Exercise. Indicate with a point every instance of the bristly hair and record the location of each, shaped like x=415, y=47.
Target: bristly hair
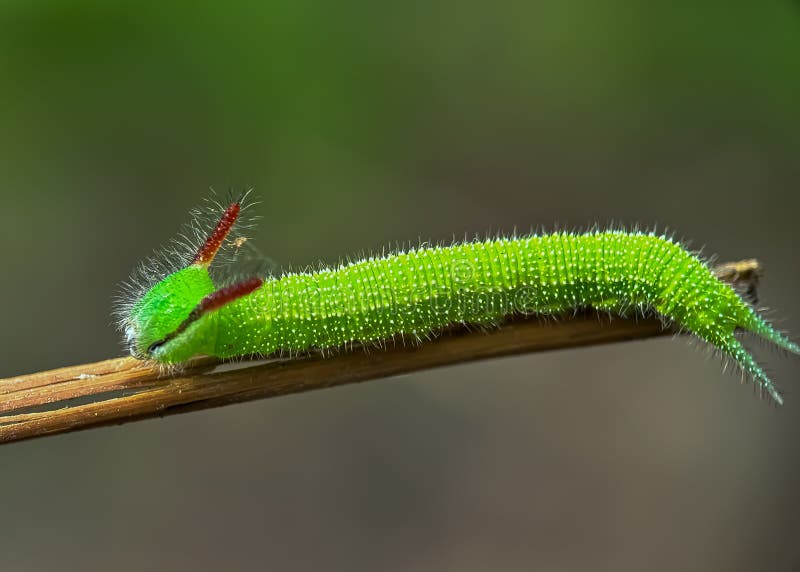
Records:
x=229, y=264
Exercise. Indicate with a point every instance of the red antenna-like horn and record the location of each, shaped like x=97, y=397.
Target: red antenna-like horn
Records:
x=214, y=241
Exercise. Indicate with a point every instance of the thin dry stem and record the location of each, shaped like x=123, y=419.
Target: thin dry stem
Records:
x=125, y=389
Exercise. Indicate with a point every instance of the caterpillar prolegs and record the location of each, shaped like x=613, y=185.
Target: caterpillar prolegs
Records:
x=171, y=314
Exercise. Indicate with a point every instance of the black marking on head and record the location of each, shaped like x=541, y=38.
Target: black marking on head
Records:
x=211, y=302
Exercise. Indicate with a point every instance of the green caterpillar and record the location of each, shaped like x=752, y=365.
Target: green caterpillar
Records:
x=181, y=312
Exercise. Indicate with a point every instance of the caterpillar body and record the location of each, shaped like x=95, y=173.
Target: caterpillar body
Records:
x=182, y=313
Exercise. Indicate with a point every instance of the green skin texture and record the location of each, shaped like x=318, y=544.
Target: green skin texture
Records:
x=420, y=291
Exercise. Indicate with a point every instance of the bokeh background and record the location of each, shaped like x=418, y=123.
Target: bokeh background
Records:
x=361, y=124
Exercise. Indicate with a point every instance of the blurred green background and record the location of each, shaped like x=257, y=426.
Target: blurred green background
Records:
x=362, y=124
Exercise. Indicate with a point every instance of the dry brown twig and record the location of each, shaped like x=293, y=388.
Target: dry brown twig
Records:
x=125, y=389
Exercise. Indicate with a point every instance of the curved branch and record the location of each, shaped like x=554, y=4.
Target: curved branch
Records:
x=125, y=389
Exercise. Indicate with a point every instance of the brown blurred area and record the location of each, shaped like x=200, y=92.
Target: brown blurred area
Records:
x=366, y=124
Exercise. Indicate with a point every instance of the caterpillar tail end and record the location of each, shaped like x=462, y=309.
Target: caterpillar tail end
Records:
x=749, y=365
x=777, y=397
x=756, y=324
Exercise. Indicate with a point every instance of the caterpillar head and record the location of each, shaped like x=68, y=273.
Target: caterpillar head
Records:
x=158, y=323
x=170, y=320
